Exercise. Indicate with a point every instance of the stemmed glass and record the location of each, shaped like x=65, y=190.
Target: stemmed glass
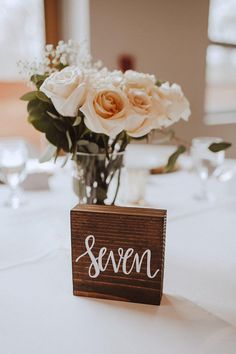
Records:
x=205, y=163
x=13, y=158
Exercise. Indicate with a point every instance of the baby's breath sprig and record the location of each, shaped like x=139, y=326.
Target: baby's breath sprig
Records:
x=56, y=58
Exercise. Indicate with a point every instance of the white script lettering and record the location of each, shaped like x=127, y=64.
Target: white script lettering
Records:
x=97, y=265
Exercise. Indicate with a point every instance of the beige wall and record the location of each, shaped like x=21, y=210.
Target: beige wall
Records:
x=168, y=38
x=13, y=113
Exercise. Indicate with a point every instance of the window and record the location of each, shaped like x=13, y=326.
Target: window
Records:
x=22, y=35
x=220, y=98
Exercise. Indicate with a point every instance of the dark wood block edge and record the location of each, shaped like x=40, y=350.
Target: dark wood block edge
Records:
x=120, y=210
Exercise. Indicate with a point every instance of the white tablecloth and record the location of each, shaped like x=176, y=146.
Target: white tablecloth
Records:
x=39, y=314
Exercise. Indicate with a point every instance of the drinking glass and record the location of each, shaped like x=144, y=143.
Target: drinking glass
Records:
x=13, y=158
x=205, y=163
x=134, y=186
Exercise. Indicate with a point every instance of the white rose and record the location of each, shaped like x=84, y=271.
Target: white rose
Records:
x=139, y=89
x=170, y=105
x=134, y=79
x=105, y=110
x=67, y=89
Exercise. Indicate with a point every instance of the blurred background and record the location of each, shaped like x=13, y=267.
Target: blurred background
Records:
x=189, y=42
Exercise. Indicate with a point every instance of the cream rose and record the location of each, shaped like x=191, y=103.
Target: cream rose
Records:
x=67, y=89
x=105, y=110
x=137, y=126
x=139, y=89
x=140, y=100
x=170, y=105
x=134, y=79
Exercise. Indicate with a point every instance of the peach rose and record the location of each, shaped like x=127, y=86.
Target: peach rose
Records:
x=105, y=110
x=139, y=89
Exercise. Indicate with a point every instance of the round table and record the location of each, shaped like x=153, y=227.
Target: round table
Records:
x=39, y=314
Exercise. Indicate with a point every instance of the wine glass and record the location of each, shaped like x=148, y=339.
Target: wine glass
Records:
x=205, y=163
x=13, y=158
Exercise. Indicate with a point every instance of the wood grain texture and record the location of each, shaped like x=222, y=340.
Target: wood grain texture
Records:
x=113, y=228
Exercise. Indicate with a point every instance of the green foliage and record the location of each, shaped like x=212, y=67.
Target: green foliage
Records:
x=33, y=95
x=42, y=97
x=83, y=142
x=217, y=147
x=101, y=194
x=158, y=83
x=174, y=157
x=77, y=121
x=29, y=96
x=59, y=130
x=60, y=66
x=93, y=148
x=38, y=79
x=69, y=140
x=87, y=146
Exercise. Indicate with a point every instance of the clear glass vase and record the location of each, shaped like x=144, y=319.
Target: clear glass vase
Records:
x=96, y=177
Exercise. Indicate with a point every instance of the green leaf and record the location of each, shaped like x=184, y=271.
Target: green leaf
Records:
x=105, y=143
x=77, y=121
x=61, y=66
x=69, y=139
x=38, y=79
x=85, y=132
x=52, y=115
x=173, y=158
x=37, y=107
x=59, y=125
x=93, y=148
x=83, y=142
x=54, y=129
x=29, y=96
x=101, y=194
x=158, y=83
x=40, y=123
x=57, y=138
x=42, y=97
x=82, y=148
x=217, y=147
x=33, y=106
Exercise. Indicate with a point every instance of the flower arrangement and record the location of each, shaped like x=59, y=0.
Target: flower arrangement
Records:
x=83, y=108
x=93, y=113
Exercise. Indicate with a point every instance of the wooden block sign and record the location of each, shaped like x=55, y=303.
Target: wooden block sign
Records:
x=118, y=252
